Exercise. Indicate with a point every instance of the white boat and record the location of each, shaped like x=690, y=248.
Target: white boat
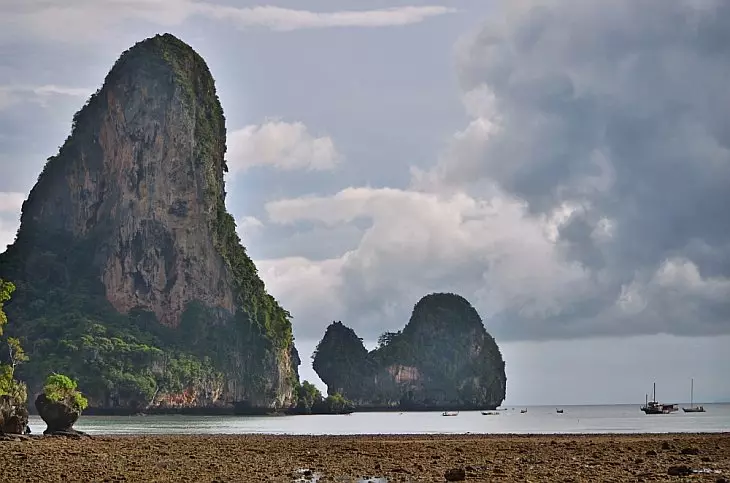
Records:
x=692, y=408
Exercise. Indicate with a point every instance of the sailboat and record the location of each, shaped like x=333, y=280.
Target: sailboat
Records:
x=654, y=407
x=692, y=408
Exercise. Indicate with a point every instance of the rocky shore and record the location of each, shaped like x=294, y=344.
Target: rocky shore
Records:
x=617, y=458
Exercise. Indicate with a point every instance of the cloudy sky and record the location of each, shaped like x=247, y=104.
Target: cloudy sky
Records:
x=564, y=165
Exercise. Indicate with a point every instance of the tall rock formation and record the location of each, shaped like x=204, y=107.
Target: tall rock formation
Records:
x=127, y=251
x=443, y=358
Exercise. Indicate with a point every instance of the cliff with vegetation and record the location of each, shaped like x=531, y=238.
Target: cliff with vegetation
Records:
x=130, y=275
x=443, y=359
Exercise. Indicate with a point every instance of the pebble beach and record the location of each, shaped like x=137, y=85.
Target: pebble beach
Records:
x=195, y=458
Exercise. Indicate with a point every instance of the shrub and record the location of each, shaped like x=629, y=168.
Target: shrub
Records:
x=60, y=388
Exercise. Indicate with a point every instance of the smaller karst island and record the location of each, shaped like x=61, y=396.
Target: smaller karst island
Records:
x=127, y=289
x=442, y=359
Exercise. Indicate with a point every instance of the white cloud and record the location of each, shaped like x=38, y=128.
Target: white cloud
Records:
x=682, y=276
x=308, y=287
x=490, y=249
x=14, y=94
x=80, y=20
x=7, y=234
x=11, y=202
x=51, y=89
x=247, y=226
x=276, y=18
x=282, y=145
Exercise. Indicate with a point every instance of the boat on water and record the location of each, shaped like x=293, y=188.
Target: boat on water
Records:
x=559, y=411
x=490, y=413
x=523, y=411
x=655, y=407
x=692, y=408
x=450, y=413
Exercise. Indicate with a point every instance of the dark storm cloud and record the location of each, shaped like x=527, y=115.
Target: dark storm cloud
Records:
x=620, y=106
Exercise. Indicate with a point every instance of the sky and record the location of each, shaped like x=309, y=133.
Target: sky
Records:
x=564, y=165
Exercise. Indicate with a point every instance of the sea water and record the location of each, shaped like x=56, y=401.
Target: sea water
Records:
x=537, y=420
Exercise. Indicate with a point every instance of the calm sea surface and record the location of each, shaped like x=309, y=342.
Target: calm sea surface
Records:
x=537, y=420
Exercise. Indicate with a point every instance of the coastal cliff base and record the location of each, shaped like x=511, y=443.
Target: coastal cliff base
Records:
x=348, y=458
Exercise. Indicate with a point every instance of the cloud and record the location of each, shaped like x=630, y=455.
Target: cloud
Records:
x=80, y=20
x=491, y=249
x=14, y=94
x=247, y=226
x=282, y=145
x=284, y=19
x=587, y=196
x=10, y=204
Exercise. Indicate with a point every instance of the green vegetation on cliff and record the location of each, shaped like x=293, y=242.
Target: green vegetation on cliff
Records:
x=443, y=357
x=340, y=359
x=120, y=360
x=16, y=356
x=61, y=312
x=310, y=401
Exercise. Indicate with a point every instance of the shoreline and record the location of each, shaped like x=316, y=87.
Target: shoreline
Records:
x=264, y=411
x=415, y=457
x=256, y=411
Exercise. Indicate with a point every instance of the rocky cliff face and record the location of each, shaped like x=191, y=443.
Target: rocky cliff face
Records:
x=143, y=174
x=133, y=209
x=443, y=358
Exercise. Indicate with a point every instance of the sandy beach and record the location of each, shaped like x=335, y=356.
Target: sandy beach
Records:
x=617, y=458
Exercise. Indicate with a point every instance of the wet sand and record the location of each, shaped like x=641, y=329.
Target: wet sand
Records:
x=591, y=458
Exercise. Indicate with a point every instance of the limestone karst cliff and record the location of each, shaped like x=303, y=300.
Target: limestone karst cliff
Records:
x=443, y=358
x=130, y=274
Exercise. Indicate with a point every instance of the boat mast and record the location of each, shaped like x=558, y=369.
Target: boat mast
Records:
x=654, y=392
x=692, y=393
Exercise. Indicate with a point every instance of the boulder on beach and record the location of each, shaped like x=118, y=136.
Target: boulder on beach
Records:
x=59, y=416
x=13, y=416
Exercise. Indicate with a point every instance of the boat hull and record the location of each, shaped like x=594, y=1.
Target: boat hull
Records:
x=662, y=409
x=694, y=410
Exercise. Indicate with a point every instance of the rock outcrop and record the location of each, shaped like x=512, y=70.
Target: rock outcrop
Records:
x=443, y=359
x=125, y=241
x=58, y=415
x=13, y=416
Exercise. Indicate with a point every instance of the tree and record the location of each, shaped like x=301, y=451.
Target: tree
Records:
x=6, y=290
x=16, y=353
x=386, y=338
x=60, y=388
x=337, y=404
x=8, y=384
x=308, y=396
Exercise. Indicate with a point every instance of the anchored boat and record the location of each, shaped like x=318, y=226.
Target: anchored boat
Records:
x=655, y=407
x=692, y=408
